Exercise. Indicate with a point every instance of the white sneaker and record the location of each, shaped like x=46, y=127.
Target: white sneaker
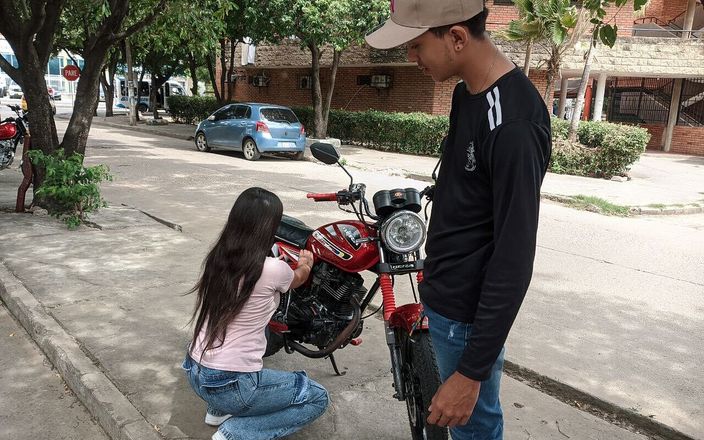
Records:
x=216, y=420
x=218, y=436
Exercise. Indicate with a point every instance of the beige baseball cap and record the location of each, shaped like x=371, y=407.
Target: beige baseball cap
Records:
x=411, y=18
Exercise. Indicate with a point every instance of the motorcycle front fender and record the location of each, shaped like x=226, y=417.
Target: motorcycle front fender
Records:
x=409, y=317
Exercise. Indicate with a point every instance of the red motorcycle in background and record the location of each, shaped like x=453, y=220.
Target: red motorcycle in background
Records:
x=325, y=314
x=12, y=133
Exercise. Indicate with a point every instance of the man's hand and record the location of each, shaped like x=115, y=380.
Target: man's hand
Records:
x=454, y=402
x=305, y=258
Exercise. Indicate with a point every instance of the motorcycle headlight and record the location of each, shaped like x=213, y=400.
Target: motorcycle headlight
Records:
x=403, y=232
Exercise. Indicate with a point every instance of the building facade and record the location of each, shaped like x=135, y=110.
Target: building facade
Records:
x=654, y=75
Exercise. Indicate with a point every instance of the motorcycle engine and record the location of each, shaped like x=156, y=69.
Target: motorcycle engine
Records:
x=7, y=153
x=319, y=312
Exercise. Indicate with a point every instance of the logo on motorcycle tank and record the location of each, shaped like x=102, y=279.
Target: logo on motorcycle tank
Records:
x=332, y=247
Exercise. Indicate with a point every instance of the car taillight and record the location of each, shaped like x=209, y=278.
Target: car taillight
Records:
x=303, y=130
x=262, y=127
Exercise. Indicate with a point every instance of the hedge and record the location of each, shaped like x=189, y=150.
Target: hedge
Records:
x=604, y=149
x=412, y=133
x=192, y=109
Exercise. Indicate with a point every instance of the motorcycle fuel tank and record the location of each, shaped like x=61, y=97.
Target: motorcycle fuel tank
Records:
x=8, y=130
x=345, y=244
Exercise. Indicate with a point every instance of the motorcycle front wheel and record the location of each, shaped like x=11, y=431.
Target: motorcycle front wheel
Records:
x=421, y=380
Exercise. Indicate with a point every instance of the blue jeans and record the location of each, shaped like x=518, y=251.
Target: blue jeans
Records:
x=449, y=340
x=266, y=404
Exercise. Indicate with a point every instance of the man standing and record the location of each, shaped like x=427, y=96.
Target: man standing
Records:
x=482, y=234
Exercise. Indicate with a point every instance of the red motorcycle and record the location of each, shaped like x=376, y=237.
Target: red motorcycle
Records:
x=12, y=133
x=325, y=314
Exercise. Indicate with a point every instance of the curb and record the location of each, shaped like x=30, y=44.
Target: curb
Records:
x=114, y=412
x=691, y=208
x=140, y=129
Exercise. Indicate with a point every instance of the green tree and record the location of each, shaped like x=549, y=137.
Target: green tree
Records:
x=602, y=32
x=325, y=25
x=31, y=29
x=554, y=25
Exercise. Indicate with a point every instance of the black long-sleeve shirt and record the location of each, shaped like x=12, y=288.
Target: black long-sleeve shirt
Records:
x=482, y=234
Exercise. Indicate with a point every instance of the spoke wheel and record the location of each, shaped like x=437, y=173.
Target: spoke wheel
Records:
x=421, y=380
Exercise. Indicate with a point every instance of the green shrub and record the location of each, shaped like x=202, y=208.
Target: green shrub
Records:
x=413, y=133
x=192, y=109
x=71, y=189
x=614, y=148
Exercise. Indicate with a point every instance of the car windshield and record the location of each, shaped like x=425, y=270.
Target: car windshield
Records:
x=279, y=115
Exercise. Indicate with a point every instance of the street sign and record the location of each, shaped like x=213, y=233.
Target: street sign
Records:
x=71, y=72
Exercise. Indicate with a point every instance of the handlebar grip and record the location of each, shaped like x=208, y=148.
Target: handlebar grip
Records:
x=322, y=197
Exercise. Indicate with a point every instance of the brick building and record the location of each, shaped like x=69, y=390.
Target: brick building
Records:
x=654, y=75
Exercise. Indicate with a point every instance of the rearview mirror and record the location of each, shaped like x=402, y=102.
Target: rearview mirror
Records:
x=211, y=117
x=325, y=153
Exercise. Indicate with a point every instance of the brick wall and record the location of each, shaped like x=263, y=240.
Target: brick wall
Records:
x=410, y=89
x=656, y=131
x=665, y=10
x=500, y=15
x=688, y=140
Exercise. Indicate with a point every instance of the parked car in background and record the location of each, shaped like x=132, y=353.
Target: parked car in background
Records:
x=55, y=93
x=253, y=128
x=14, y=92
x=23, y=104
x=142, y=105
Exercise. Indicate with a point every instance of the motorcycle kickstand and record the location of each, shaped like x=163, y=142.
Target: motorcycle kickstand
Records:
x=334, y=365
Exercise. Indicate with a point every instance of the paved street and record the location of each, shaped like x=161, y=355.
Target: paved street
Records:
x=615, y=308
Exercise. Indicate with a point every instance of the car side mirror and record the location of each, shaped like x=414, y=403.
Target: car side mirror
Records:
x=211, y=117
x=325, y=153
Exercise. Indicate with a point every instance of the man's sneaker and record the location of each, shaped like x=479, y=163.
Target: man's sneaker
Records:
x=213, y=420
x=218, y=436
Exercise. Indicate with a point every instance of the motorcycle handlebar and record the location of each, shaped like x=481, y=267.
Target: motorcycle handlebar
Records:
x=322, y=197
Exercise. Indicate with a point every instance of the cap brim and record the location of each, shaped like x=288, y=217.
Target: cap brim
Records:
x=391, y=35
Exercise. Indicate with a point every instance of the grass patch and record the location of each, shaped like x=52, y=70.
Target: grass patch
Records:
x=596, y=204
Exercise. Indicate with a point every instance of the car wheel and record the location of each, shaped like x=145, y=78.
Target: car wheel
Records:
x=202, y=142
x=299, y=156
x=142, y=108
x=249, y=148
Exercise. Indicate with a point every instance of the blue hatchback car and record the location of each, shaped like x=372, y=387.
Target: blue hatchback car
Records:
x=252, y=128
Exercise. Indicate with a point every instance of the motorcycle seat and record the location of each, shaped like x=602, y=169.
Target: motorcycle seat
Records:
x=293, y=231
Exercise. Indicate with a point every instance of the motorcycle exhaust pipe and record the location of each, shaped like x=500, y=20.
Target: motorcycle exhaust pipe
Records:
x=341, y=338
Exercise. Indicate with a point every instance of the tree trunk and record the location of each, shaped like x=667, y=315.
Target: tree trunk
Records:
x=130, y=84
x=153, y=97
x=231, y=70
x=552, y=70
x=193, y=68
x=577, y=113
x=316, y=93
x=223, y=70
x=210, y=64
x=41, y=118
x=529, y=55
x=328, y=97
x=76, y=135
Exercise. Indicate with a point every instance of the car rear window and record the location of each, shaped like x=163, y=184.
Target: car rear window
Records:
x=279, y=115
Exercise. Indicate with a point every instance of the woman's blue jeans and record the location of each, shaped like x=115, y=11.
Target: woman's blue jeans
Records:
x=449, y=340
x=266, y=404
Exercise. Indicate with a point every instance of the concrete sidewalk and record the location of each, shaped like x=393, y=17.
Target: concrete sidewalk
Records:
x=106, y=306
x=660, y=183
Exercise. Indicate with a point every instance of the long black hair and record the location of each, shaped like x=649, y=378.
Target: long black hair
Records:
x=235, y=263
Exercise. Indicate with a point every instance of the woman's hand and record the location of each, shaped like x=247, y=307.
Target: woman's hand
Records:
x=302, y=271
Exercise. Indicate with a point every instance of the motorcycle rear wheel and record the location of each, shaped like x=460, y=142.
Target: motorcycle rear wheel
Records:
x=274, y=342
x=422, y=380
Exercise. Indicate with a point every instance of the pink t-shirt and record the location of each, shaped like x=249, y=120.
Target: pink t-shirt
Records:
x=245, y=341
